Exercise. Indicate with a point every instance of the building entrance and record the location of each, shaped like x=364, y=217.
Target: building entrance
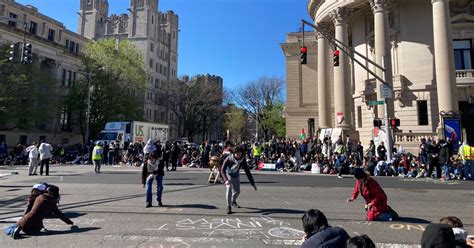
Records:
x=467, y=120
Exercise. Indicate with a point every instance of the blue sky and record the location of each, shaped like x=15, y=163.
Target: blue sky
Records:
x=235, y=39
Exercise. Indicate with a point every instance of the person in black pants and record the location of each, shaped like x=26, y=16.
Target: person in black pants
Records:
x=433, y=159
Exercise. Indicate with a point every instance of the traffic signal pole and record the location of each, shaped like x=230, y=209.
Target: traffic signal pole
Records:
x=349, y=52
x=387, y=117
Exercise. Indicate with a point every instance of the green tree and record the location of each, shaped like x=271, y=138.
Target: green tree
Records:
x=115, y=76
x=272, y=119
x=235, y=120
x=29, y=98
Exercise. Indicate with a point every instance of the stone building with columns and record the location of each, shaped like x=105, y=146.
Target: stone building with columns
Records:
x=55, y=50
x=427, y=49
x=153, y=32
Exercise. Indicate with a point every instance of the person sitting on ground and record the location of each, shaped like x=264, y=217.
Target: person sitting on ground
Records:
x=381, y=167
x=362, y=241
x=280, y=164
x=460, y=234
x=438, y=236
x=318, y=233
x=375, y=198
x=45, y=204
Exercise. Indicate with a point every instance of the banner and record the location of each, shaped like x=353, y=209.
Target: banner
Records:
x=452, y=132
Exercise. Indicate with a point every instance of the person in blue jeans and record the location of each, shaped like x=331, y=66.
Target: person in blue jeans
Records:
x=152, y=170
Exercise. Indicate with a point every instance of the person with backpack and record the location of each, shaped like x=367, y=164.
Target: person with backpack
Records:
x=375, y=198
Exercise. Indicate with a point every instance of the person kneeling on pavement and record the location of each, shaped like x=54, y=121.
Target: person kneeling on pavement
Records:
x=318, y=233
x=375, y=198
x=45, y=204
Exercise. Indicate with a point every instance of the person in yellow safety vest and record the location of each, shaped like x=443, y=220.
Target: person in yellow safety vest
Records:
x=466, y=152
x=257, y=152
x=97, y=156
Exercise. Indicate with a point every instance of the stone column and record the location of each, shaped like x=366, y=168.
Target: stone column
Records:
x=341, y=80
x=382, y=49
x=444, y=57
x=324, y=98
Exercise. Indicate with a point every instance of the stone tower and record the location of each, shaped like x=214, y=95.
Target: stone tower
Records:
x=143, y=18
x=92, y=18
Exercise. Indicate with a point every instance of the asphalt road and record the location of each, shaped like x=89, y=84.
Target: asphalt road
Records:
x=109, y=209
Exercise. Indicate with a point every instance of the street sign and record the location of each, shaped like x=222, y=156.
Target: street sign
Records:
x=373, y=103
x=385, y=91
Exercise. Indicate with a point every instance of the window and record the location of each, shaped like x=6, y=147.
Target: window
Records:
x=51, y=34
x=151, y=80
x=359, y=116
x=150, y=63
x=12, y=23
x=152, y=47
x=462, y=54
x=64, y=78
x=73, y=78
x=152, y=20
x=67, y=78
x=33, y=27
x=422, y=112
x=156, y=67
x=157, y=83
x=65, y=119
x=161, y=69
x=165, y=71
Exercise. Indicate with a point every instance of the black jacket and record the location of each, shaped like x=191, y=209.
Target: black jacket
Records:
x=331, y=237
x=444, y=154
x=438, y=236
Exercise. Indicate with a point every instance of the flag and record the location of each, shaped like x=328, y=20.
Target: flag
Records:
x=303, y=134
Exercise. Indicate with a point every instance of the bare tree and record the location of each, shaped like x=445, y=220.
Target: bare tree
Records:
x=258, y=97
x=196, y=104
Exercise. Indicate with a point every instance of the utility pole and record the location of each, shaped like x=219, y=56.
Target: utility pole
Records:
x=387, y=117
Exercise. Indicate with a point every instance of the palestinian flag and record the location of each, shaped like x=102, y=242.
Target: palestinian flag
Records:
x=302, y=134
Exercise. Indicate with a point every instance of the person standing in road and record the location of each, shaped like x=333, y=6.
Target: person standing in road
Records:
x=97, y=156
x=45, y=156
x=433, y=159
x=33, y=156
x=175, y=152
x=153, y=169
x=230, y=173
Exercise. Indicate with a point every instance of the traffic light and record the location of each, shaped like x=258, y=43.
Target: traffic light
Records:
x=394, y=122
x=336, y=57
x=304, y=54
x=27, y=54
x=14, y=53
x=377, y=122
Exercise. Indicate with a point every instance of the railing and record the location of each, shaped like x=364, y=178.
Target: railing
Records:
x=412, y=138
x=465, y=73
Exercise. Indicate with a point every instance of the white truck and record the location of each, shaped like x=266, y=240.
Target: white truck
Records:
x=125, y=133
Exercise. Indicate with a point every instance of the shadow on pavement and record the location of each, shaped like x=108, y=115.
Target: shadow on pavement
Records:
x=178, y=184
x=74, y=229
x=201, y=206
x=259, y=182
x=269, y=211
x=73, y=215
x=413, y=220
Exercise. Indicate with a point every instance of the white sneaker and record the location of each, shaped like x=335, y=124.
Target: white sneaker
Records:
x=340, y=177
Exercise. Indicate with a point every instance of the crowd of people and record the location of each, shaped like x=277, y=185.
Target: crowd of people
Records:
x=435, y=158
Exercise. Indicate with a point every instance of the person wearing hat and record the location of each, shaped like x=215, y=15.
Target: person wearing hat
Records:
x=97, y=156
x=45, y=204
x=37, y=190
x=153, y=169
x=375, y=198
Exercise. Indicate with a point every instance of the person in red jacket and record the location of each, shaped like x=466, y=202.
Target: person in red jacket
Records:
x=375, y=198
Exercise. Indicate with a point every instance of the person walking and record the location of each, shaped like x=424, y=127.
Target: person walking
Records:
x=175, y=152
x=433, y=159
x=45, y=156
x=33, y=156
x=375, y=198
x=97, y=156
x=230, y=173
x=153, y=169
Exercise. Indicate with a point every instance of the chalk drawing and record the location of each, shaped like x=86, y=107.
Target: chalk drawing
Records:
x=286, y=233
x=407, y=227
